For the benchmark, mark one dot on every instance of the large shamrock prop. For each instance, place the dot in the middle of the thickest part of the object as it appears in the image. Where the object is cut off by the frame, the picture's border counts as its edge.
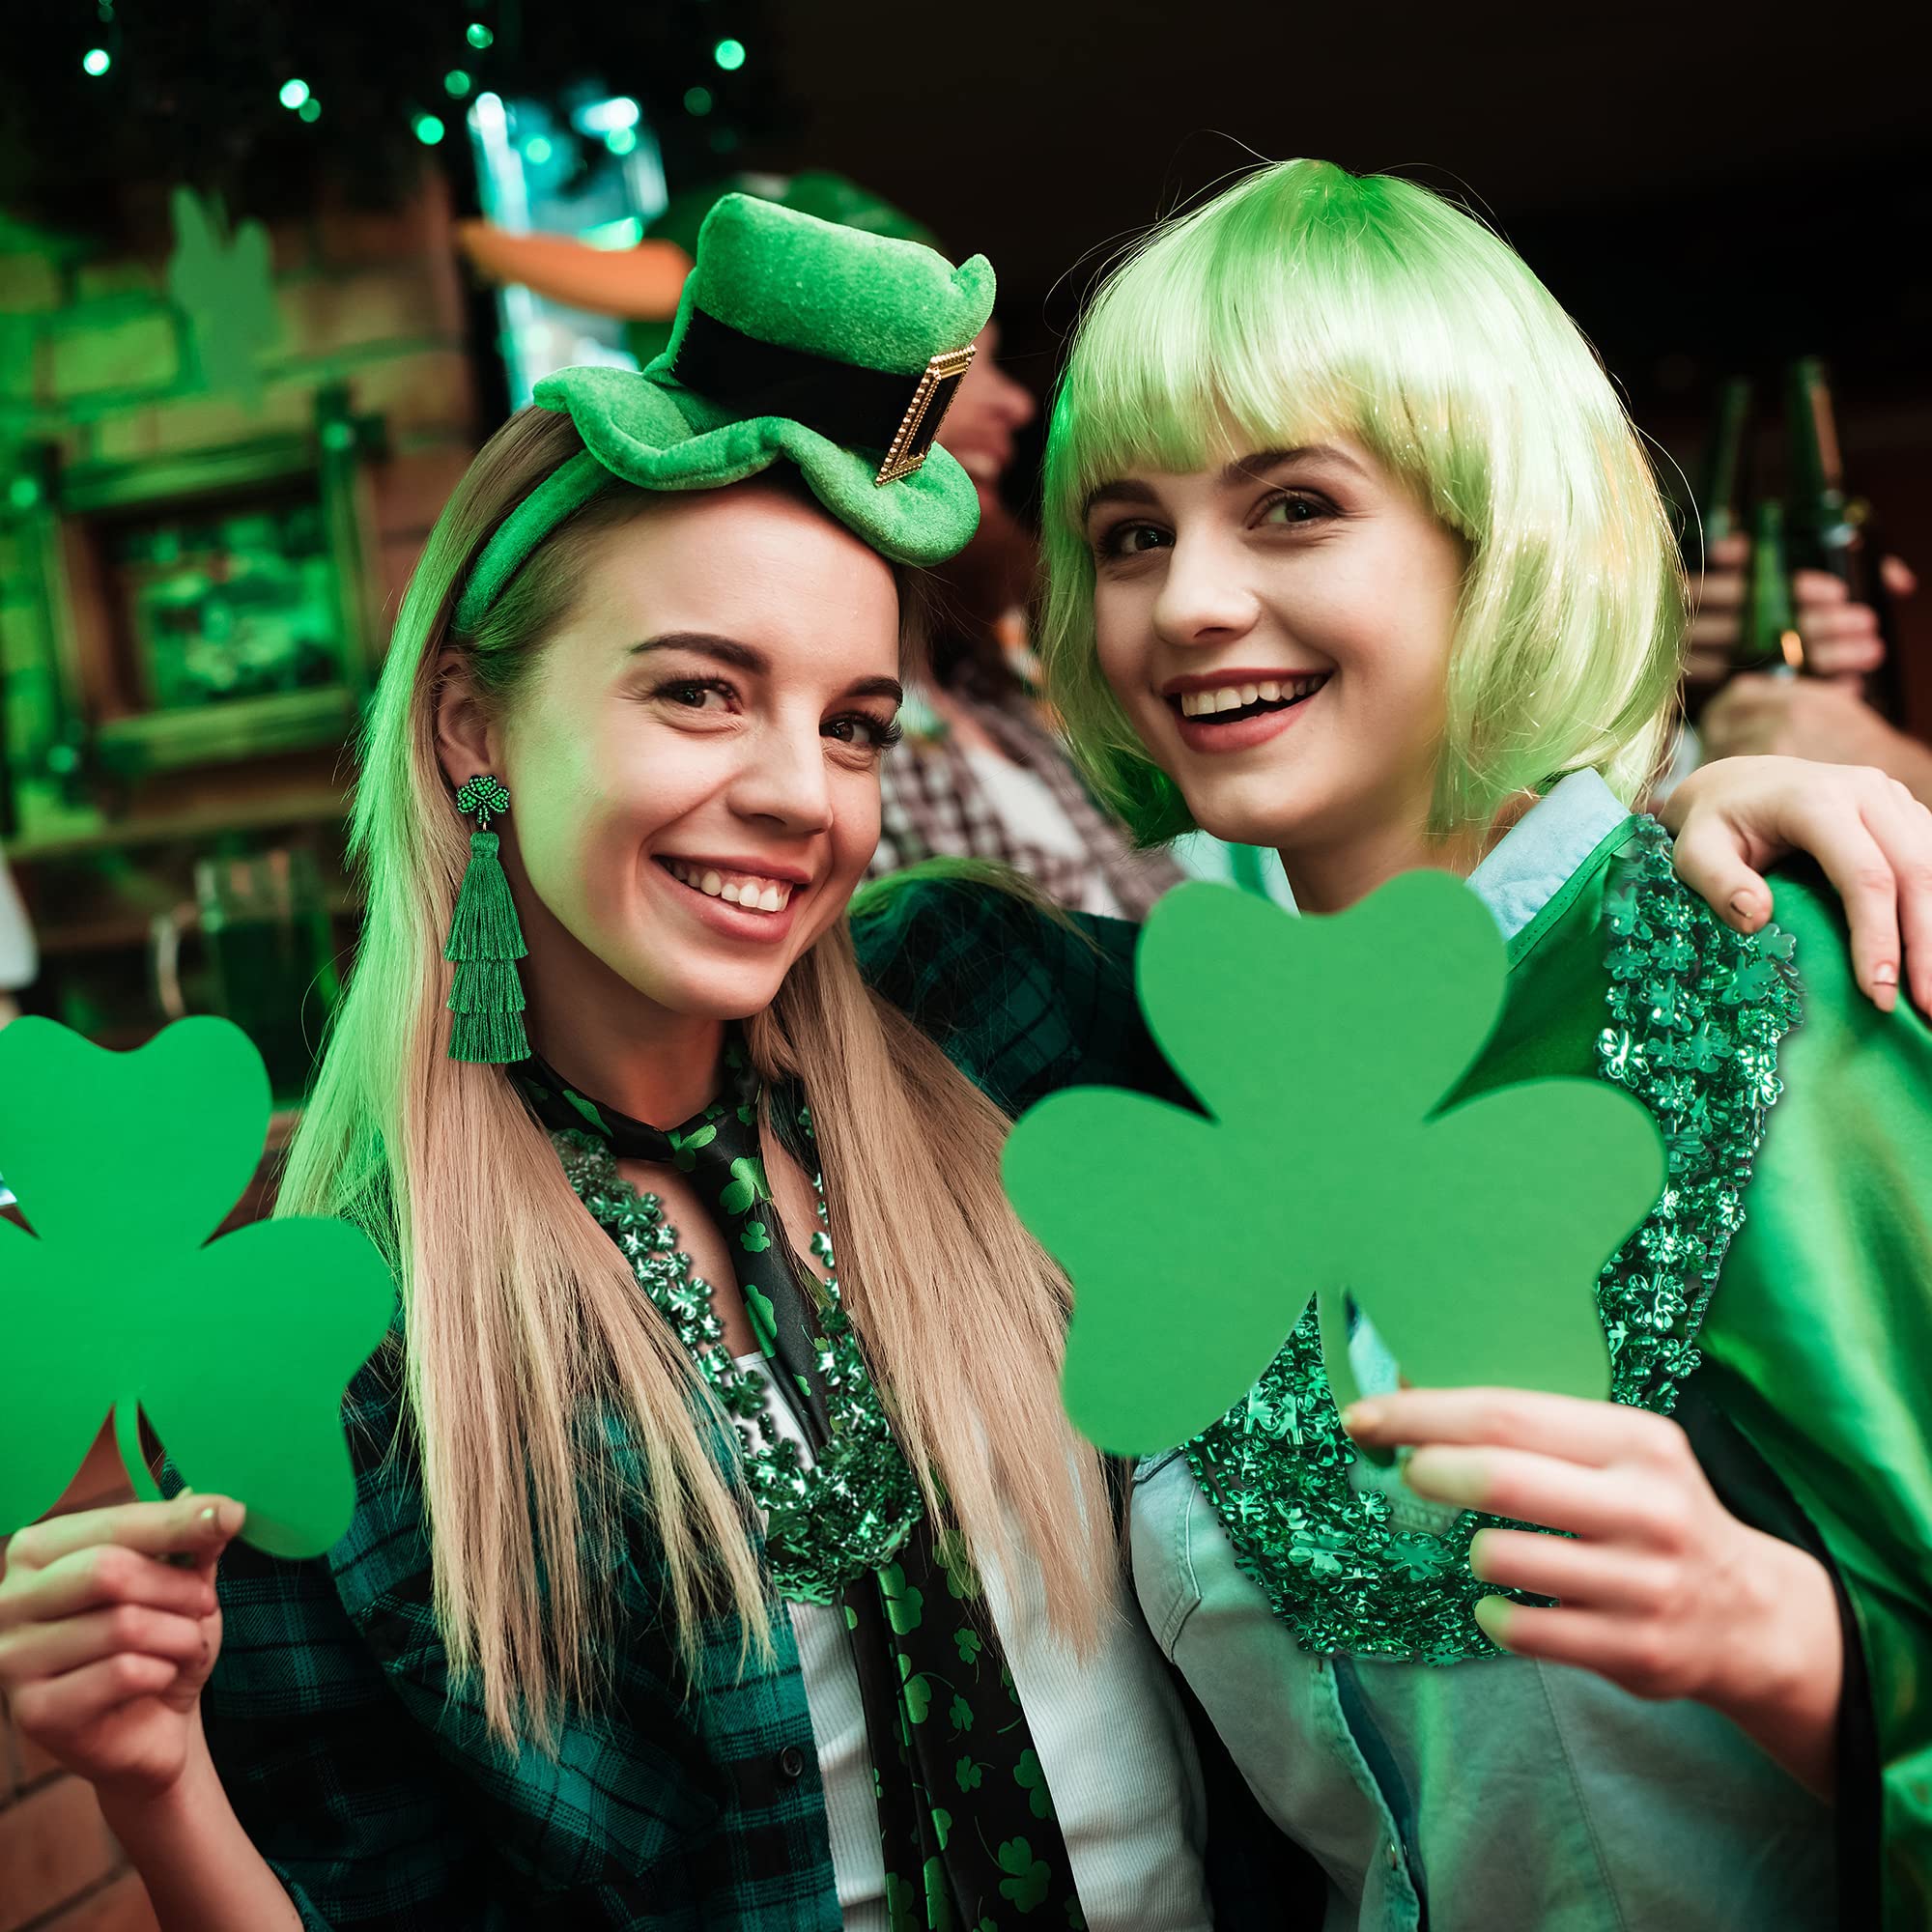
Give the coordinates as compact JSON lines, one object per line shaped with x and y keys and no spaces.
{"x":238,"y":1351}
{"x":1326,"y":1166}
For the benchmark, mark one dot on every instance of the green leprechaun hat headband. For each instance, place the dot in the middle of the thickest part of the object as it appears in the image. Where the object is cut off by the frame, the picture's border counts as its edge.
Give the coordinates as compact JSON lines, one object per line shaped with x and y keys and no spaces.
{"x":798,"y":340}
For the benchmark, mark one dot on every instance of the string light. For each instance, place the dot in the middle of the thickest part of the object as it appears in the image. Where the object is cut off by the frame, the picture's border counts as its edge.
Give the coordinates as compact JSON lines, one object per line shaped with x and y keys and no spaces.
{"x":479,"y":36}
{"x":605,"y":117}
{"x":729,"y":55}
{"x":621,"y":140}
{"x":697,"y":100}
{"x":456,"y":84}
{"x":293,"y":92}
{"x":537,"y":151}
{"x":96,"y":61}
{"x":428,"y":129}
{"x":310,"y":110}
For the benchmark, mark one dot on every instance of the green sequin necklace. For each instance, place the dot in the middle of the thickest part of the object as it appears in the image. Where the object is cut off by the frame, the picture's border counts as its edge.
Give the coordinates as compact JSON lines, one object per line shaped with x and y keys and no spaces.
{"x":829,"y":1521}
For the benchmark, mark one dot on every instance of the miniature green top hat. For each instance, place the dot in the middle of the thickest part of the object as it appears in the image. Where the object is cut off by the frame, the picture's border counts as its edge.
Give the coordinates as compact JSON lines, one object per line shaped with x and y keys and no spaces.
{"x":795,"y":339}
{"x":810,"y":192}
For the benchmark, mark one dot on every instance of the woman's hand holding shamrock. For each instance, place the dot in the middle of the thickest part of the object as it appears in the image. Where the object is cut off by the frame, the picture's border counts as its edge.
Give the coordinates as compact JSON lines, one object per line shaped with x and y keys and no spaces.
{"x":1659,"y":1587}
{"x":104,"y":1646}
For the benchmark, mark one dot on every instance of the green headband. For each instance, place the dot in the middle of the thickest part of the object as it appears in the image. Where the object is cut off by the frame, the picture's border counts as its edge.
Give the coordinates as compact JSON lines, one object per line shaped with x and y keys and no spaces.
{"x":796,"y":340}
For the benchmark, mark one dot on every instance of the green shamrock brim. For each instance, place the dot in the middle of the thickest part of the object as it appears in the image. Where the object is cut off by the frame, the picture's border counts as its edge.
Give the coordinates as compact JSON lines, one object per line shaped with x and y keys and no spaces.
{"x":920,"y":520}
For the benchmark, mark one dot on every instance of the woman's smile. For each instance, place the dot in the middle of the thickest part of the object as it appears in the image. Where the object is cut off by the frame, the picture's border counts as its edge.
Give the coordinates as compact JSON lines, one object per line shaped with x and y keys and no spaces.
{"x":742,"y":899}
{"x":1228,"y":711}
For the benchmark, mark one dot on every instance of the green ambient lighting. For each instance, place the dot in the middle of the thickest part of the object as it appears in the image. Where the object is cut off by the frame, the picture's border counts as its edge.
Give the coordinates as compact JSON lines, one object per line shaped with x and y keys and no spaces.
{"x":729,"y":55}
{"x":456,"y":84}
{"x":96,"y":61}
{"x":310,"y":110}
{"x":621,"y":140}
{"x":536,"y":152}
{"x":697,"y":100}
{"x":293,"y":92}
{"x":479,"y":36}
{"x":626,"y":232}
{"x":428,"y":129}
{"x":605,"y":117}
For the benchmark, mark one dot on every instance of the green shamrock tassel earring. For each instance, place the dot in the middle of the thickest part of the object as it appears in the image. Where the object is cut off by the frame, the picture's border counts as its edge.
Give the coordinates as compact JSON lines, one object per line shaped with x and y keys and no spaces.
{"x":485,"y":943}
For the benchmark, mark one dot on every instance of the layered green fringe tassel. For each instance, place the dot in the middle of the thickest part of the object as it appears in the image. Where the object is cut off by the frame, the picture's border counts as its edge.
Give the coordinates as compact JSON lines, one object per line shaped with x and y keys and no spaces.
{"x":485,"y":942}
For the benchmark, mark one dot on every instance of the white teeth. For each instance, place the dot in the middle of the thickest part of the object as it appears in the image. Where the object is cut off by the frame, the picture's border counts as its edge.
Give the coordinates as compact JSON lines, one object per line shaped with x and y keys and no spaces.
{"x":1237,"y":696}
{"x":742,"y":890}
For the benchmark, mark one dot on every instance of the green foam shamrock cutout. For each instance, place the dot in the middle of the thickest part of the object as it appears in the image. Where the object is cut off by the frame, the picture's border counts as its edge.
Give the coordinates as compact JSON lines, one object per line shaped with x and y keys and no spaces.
{"x":237,"y":1350}
{"x":1323,"y":1051}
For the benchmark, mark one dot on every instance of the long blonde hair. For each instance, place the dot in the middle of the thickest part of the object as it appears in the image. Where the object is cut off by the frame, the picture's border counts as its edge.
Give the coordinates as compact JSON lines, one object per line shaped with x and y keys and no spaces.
{"x":1305,"y":304}
{"x":523,"y":1325}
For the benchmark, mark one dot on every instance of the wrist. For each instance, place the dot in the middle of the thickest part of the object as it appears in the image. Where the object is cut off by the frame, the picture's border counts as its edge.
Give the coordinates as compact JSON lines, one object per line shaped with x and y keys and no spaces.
{"x":1780,"y":1682}
{"x":139,"y":1811}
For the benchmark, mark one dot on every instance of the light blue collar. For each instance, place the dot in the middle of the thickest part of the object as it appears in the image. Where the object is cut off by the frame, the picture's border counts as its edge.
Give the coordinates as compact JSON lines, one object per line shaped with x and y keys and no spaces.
{"x":1535,"y":857}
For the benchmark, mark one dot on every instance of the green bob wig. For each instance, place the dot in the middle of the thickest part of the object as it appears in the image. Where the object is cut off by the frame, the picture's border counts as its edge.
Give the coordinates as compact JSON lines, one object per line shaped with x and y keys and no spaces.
{"x":1307,"y":304}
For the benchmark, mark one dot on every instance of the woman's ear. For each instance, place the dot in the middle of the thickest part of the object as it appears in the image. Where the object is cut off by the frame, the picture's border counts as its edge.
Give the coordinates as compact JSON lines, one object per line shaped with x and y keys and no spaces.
{"x":467,"y":739}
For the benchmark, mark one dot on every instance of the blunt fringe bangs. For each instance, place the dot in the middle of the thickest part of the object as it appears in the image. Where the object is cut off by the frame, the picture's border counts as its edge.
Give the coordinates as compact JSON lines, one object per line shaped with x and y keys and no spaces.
{"x":1306,"y":305}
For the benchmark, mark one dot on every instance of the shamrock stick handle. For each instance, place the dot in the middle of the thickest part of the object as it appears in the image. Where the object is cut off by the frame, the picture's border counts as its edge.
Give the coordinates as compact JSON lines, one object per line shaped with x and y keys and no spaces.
{"x":127,"y":1439}
{"x":1333,"y":1303}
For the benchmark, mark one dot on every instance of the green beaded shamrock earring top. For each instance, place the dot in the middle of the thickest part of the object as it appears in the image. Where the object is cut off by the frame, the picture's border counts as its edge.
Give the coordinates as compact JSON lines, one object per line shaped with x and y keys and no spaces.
{"x":486,"y":997}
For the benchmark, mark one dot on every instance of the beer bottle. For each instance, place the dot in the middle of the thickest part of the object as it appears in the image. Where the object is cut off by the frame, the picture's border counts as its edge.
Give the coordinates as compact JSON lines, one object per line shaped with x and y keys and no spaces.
{"x":1827,"y":525}
{"x":1768,"y":639}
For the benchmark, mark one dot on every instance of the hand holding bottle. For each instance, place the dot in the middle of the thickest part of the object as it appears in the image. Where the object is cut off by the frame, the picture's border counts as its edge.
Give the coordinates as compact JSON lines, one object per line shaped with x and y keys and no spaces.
{"x":1840,"y":637}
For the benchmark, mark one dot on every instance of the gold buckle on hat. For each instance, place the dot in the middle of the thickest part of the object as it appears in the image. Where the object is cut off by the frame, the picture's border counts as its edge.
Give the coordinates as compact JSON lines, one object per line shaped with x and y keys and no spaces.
{"x":913,"y":442}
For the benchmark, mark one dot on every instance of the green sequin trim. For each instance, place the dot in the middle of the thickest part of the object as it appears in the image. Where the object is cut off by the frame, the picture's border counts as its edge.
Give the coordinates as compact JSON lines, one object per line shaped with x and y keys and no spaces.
{"x":828,"y":1522}
{"x":1696,"y":1012}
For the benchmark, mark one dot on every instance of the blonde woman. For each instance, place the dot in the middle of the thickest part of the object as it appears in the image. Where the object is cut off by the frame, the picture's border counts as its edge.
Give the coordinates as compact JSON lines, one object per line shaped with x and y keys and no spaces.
{"x":652,"y":1614}
{"x":1354,"y":553}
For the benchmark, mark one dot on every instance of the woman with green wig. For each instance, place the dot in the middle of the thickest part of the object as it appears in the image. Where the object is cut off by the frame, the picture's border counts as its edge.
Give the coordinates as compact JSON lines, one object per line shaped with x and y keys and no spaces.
{"x":1352,"y":553}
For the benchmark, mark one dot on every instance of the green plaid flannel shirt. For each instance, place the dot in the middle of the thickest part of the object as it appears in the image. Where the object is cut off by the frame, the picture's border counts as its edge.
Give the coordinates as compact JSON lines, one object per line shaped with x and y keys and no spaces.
{"x":379,"y":1799}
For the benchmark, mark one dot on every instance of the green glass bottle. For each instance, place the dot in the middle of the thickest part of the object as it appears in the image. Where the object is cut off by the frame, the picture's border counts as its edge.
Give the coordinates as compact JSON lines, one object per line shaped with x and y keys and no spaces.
{"x":1768,"y":638}
{"x":1720,"y":511}
{"x":1827,"y":525}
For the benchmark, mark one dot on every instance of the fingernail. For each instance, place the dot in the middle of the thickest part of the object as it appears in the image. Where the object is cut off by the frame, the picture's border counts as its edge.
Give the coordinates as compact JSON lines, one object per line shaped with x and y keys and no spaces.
{"x":1744,"y":904}
{"x":1361,"y":1416}
{"x":1885,"y":974}
{"x":1493,"y":1616}
{"x":226,"y":1517}
{"x":1448,"y":1476}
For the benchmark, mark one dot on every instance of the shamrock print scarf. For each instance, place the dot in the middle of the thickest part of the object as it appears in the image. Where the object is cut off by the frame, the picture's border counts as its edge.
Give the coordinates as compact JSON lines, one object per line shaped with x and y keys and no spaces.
{"x":966,"y":1821}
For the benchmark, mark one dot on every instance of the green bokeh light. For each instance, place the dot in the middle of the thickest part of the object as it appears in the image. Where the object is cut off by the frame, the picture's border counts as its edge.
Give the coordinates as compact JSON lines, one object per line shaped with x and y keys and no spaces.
{"x":621,"y":140}
{"x":456,"y":84}
{"x":293,"y":92}
{"x":310,"y":110}
{"x":478,"y":35}
{"x":697,"y":100}
{"x":729,"y":55}
{"x":537,"y":150}
{"x":428,"y":129}
{"x":23,"y":492}
{"x":96,"y":61}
